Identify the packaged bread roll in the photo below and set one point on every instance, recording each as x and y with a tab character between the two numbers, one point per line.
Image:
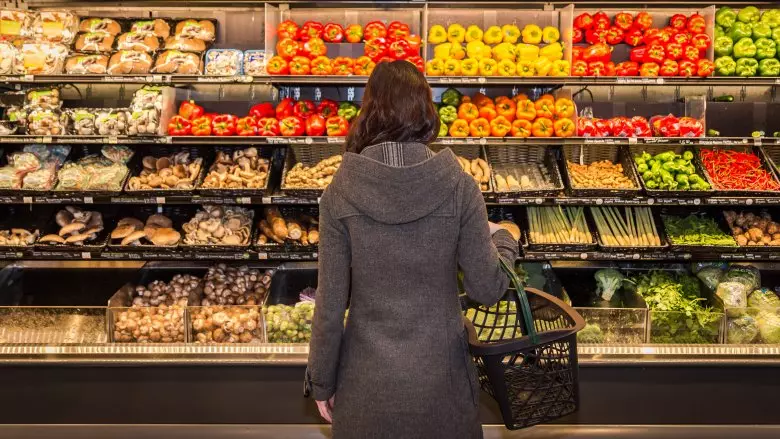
137	41
86	64
175	61
200	29
100	25
129	62
94	42
156	28
185	44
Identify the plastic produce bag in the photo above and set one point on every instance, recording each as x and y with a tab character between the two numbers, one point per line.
289	324
42	122
711	275
46	98
55	26
82	121
735	286
40	59
7	58
742	329
769	325
764	299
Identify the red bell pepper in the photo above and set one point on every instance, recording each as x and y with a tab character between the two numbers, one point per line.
669	68
337	126
687	68
398	49
673	51
246	126
287	48
651	36
696	24
321	66
597	52
649	69
268	127
374	29
691	53
665	35
633	37
291	126
397	31
179	126
690	127
624	20
609	69
627	68
333	33
583	21
287	29
342	66
614	35
705	68
586	127
304	109
261	110
285	108
621	127
224	125
595	36
576	53
637	54
682	38
311	29
190	110
418	62
328	108
655	53
354	33
701	41
202	125
597	68
300	65
643	20
665	126
678	21
415	43
600	20
315	125
603	127
277	66
314	47
577	36
375	48
641	127
579	68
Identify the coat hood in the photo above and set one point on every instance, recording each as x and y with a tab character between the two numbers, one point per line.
397	195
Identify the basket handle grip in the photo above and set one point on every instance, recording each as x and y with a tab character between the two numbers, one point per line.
523	306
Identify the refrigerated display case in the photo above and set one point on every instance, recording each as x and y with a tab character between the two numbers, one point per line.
199	111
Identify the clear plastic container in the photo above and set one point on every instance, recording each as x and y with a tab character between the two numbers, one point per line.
677	327
289	323
613	326
254	62
40	59
227	324
224	62
53	325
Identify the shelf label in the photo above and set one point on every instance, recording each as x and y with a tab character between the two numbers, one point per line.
160	200
27	200
266	200
86	255
757	141
335	140
28	78
244	200
46	139
647	81
262	256
112	140
88	200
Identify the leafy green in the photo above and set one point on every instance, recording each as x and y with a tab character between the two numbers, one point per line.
591	333
608	281
695	230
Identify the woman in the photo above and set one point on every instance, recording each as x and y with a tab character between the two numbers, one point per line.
395	224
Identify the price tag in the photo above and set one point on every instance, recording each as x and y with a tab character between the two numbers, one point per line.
112	140
632	141
266	200
46	139
749	202
160	200
262	256
276	140
154	78
308	140
696	201
88	200
481	80
28	78
539	200
318	200
335	140
583	256
27	200
650	201
599	201
86	255
757	141
243	200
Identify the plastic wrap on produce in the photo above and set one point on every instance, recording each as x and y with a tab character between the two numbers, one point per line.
94	42
15	24
197	29
158	27
129	62
86	64
44	122
138	41
177	62
224	62
46	98
185	44
7	57
82	121
289	324
40	59
100	25
55	26
735	286
254	62
111	121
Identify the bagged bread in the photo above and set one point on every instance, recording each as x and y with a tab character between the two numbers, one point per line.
100	25
86	64
94	42
156	28
129	62
175	61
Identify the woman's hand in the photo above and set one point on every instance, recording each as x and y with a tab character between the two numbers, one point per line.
326	409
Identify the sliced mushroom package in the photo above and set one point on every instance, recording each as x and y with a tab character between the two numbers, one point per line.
219	226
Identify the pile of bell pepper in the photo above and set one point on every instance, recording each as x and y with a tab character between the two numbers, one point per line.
287	118
747	42
679	49
518	116
303	50
638	126
496	51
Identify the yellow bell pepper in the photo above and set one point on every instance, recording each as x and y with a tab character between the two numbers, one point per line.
560	68
487	67
473	33
532	34
469	67
487	52
506	67
526	52
511	33
493	35
542	66
475	48
504	51
442	51
456	33
434	67
553	52
525	68
550	34
452	67
437	34
457	51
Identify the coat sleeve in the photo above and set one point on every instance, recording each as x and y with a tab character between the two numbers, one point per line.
478	252
333	287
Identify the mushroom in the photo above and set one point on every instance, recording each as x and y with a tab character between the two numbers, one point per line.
72	228
52	238
133	238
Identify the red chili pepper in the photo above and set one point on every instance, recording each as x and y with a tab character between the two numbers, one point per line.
246	126
224	125
729	169
179	126
333	33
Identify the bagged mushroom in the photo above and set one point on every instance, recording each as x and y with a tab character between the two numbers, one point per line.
111	121
55	26
41	122
40	59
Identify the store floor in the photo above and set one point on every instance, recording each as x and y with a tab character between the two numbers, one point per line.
315	432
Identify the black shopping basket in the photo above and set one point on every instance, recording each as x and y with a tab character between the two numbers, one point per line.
525	349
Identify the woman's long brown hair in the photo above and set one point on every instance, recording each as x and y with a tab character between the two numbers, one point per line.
397	107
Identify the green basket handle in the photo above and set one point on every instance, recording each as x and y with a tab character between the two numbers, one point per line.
522	299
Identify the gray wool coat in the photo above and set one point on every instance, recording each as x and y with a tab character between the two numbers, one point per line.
395	224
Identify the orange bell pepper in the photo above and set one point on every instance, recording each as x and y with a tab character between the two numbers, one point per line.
488	113
542	127
465	100
563	127
500	127
499	99
564	108
468	112
459	128
520	97
479	127
547	96
506	108
521	128
482	100
545	108
526	110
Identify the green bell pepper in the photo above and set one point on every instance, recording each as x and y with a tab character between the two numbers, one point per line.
719	32
765	48
725	66
771	18
749	14
739	31
747	67
451	97
744	48
725	17
769	67
761	30
348	110
448	114
444	130
723	46
776	35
